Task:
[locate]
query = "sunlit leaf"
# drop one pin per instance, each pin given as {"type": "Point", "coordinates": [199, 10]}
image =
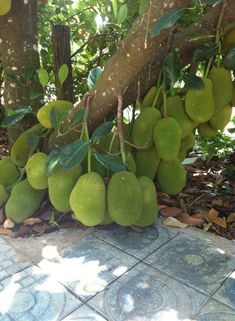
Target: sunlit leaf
{"type": "Point", "coordinates": [63, 73]}
{"type": "Point", "coordinates": [43, 76]}
{"type": "Point", "coordinates": [110, 162]}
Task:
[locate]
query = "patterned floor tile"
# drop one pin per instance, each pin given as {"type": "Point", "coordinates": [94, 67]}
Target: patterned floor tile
{"type": "Point", "coordinates": [31, 295]}
{"type": "Point", "coordinates": [215, 311]}
{"type": "Point", "coordinates": [89, 266]}
{"type": "Point", "coordinates": [226, 292]}
{"type": "Point", "coordinates": [138, 242]}
{"type": "Point", "coordinates": [11, 261]}
{"type": "Point", "coordinates": [193, 262]}
{"type": "Point", "coordinates": [84, 313]}
{"type": "Point", "coordinates": [145, 294]}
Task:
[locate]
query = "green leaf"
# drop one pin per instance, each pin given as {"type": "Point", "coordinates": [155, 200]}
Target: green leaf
{"type": "Point", "coordinates": [101, 131]}
{"type": "Point", "coordinates": [78, 117]}
{"type": "Point", "coordinates": [93, 76]}
{"type": "Point", "coordinates": [53, 160]}
{"type": "Point", "coordinates": [43, 77]}
{"type": "Point", "coordinates": [73, 154]}
{"type": "Point", "coordinates": [23, 109]}
{"type": "Point", "coordinates": [63, 73]}
{"type": "Point", "coordinates": [205, 52]}
{"type": "Point", "coordinates": [166, 21]}
{"type": "Point", "coordinates": [13, 119]}
{"type": "Point", "coordinates": [171, 68]}
{"type": "Point", "coordinates": [143, 5]}
{"type": "Point", "coordinates": [32, 140]}
{"type": "Point", "coordinates": [35, 95]}
{"type": "Point", "coordinates": [115, 7]}
{"type": "Point", "coordinates": [111, 162]}
{"type": "Point", "coordinates": [16, 78]}
{"type": "Point", "coordinates": [122, 13]}
{"type": "Point", "coordinates": [211, 2]}
{"type": "Point", "coordinates": [57, 117]}
{"type": "Point", "coordinates": [229, 61]}
{"type": "Point", "coordinates": [193, 82]}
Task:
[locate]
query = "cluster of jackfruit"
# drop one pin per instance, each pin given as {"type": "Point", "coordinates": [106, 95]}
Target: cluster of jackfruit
{"type": "Point", "coordinates": [5, 7]}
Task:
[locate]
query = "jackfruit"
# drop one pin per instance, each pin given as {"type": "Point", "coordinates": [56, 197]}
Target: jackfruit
{"type": "Point", "coordinates": [88, 199]}
{"type": "Point", "coordinates": [171, 176]}
{"type": "Point", "coordinates": [130, 162]}
{"type": "Point", "coordinates": [167, 136]}
{"type": "Point", "coordinates": [124, 198]}
{"type": "Point", "coordinates": [175, 109]}
{"type": "Point", "coordinates": [199, 103]}
{"type": "Point", "coordinates": [150, 207]}
{"type": "Point", "coordinates": [5, 7]}
{"type": "Point", "coordinates": [60, 185]}
{"type": "Point", "coordinates": [21, 150]}
{"type": "Point", "coordinates": [35, 170]}
{"type": "Point", "coordinates": [23, 201]}
{"type": "Point", "coordinates": [8, 172]}
{"type": "Point", "coordinates": [107, 219]}
{"type": "Point", "coordinates": [221, 119]}
{"type": "Point", "coordinates": [147, 162]}
{"type": "Point", "coordinates": [222, 87]}
{"type": "Point", "coordinates": [150, 97]}
{"type": "Point", "coordinates": [206, 131]}
{"type": "Point", "coordinates": [188, 142]}
{"type": "Point", "coordinates": [44, 112]}
{"type": "Point", "coordinates": [103, 145]}
{"type": "Point", "coordinates": [233, 98]}
{"type": "Point", "coordinates": [3, 195]}
{"type": "Point", "coordinates": [182, 154]}
{"type": "Point", "coordinates": [143, 127]}
{"type": "Point", "coordinates": [229, 40]}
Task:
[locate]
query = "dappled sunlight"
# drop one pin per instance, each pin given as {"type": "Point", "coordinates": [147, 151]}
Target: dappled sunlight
{"type": "Point", "coordinates": [168, 315]}
{"type": "Point", "coordinates": [7, 295]}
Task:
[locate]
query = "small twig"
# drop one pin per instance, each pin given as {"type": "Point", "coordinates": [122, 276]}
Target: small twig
{"type": "Point", "coordinates": [120, 127]}
{"type": "Point", "coordinates": [218, 28]}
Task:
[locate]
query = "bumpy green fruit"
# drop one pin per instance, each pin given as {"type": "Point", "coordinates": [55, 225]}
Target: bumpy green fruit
{"type": "Point", "coordinates": [149, 97]}
{"type": "Point", "coordinates": [44, 112]}
{"type": "Point", "coordinates": [5, 7]}
{"type": "Point", "coordinates": [103, 145]}
{"type": "Point", "coordinates": [229, 40]}
{"type": "Point", "coordinates": [182, 154]}
{"type": "Point", "coordinates": [199, 103]}
{"type": "Point", "coordinates": [167, 136]}
{"type": "Point", "coordinates": [143, 128]}
{"type": "Point", "coordinates": [21, 150]}
{"type": "Point", "coordinates": [130, 162]}
{"type": "Point", "coordinates": [35, 169]}
{"type": "Point", "coordinates": [147, 162]}
{"type": "Point", "coordinates": [8, 172]}
{"type": "Point", "coordinates": [107, 219]}
{"type": "Point", "coordinates": [60, 185]}
{"type": "Point", "coordinates": [150, 207]}
{"type": "Point", "coordinates": [3, 195]}
{"type": "Point", "coordinates": [88, 199]}
{"type": "Point", "coordinates": [221, 119]}
{"type": "Point", "coordinates": [23, 202]}
{"type": "Point", "coordinates": [171, 176]}
{"type": "Point", "coordinates": [188, 142]}
{"type": "Point", "coordinates": [222, 87]}
{"type": "Point", "coordinates": [206, 131]}
{"type": "Point", "coordinates": [175, 109]}
{"type": "Point", "coordinates": [124, 198]}
{"type": "Point", "coordinates": [233, 98]}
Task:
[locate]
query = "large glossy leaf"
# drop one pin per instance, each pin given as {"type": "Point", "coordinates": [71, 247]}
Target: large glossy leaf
{"type": "Point", "coordinates": [193, 82]}
{"type": "Point", "coordinates": [32, 140]}
{"type": "Point", "coordinates": [57, 117]}
{"type": "Point", "coordinates": [167, 20]}
{"type": "Point", "coordinates": [53, 160]}
{"type": "Point", "coordinates": [16, 115]}
{"type": "Point", "coordinates": [205, 52]}
{"type": "Point", "coordinates": [111, 162]}
{"type": "Point", "coordinates": [93, 76]}
{"type": "Point", "coordinates": [63, 73]}
{"type": "Point", "coordinates": [73, 154]}
{"type": "Point", "coordinates": [122, 13]}
{"type": "Point", "coordinates": [101, 131]}
{"type": "Point", "coordinates": [43, 76]}
{"type": "Point", "coordinates": [229, 61]}
{"type": "Point", "coordinates": [78, 117]}
{"type": "Point", "coordinates": [171, 68]}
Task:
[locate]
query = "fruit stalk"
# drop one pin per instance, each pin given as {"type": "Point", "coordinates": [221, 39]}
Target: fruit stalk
{"type": "Point", "coordinates": [120, 127]}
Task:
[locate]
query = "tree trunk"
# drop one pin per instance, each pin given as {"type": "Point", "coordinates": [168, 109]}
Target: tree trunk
{"type": "Point", "coordinates": [19, 51]}
{"type": "Point", "coordinates": [140, 57]}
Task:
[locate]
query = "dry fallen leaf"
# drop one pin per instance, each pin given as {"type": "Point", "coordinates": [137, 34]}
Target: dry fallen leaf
{"type": "Point", "coordinates": [173, 222]}
{"type": "Point", "coordinates": [4, 231]}
{"type": "Point", "coordinates": [190, 220]}
{"type": "Point", "coordinates": [2, 216]}
{"type": "Point", "coordinates": [213, 217]}
{"type": "Point", "coordinates": [8, 224]}
{"type": "Point", "coordinates": [170, 211]}
{"type": "Point", "coordinates": [32, 221]}
{"type": "Point", "coordinates": [231, 217]}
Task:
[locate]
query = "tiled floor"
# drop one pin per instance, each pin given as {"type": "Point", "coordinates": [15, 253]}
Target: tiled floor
{"type": "Point", "coordinates": [117, 274]}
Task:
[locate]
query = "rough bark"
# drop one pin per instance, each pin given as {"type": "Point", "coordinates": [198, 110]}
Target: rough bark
{"type": "Point", "coordinates": [19, 51]}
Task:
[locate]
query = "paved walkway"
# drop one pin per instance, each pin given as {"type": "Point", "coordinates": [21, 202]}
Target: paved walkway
{"type": "Point", "coordinates": [155, 274]}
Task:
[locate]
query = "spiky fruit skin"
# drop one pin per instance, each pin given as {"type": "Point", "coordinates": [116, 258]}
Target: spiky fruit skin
{"type": "Point", "coordinates": [143, 128]}
{"type": "Point", "coordinates": [229, 40]}
{"type": "Point", "coordinates": [222, 87]}
{"type": "Point", "coordinates": [5, 7]}
{"type": "Point", "coordinates": [233, 98]}
{"type": "Point", "coordinates": [221, 119]}
{"type": "Point", "coordinates": [107, 219]}
{"type": "Point", "coordinates": [21, 150]}
{"type": "Point", "coordinates": [3, 195]}
{"type": "Point", "coordinates": [124, 198]}
{"type": "Point", "coordinates": [60, 185]}
{"type": "Point", "coordinates": [175, 109]}
{"type": "Point", "coordinates": [130, 162]}
{"type": "Point", "coordinates": [182, 154]}
{"type": "Point", "coordinates": [44, 112]}
{"type": "Point", "coordinates": [171, 177]}
{"type": "Point", "coordinates": [167, 136]}
{"type": "Point", "coordinates": [88, 199]}
{"type": "Point", "coordinates": [150, 207]}
{"type": "Point", "coordinates": [35, 170]}
{"type": "Point", "coordinates": [188, 142]}
{"type": "Point", "coordinates": [23, 201]}
{"type": "Point", "coordinates": [8, 172]}
{"type": "Point", "coordinates": [206, 131]}
{"type": "Point", "coordinates": [149, 97]}
{"type": "Point", "coordinates": [199, 103]}
{"type": "Point", "coordinates": [147, 162]}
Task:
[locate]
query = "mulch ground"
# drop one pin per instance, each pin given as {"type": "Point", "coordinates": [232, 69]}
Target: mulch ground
{"type": "Point", "coordinates": [207, 202]}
